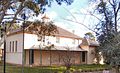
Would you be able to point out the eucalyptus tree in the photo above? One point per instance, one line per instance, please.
(41, 29)
(107, 31)
(18, 10)
(89, 35)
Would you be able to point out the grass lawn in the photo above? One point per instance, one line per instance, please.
(61, 69)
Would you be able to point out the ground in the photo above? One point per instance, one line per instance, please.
(18, 69)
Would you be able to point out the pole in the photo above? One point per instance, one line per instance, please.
(23, 54)
(4, 48)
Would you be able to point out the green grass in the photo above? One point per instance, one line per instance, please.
(17, 69)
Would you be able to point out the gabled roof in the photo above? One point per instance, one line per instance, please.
(89, 42)
(61, 33)
(64, 33)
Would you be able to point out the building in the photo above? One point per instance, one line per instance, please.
(63, 45)
(89, 46)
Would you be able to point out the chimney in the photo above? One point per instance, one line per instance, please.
(73, 31)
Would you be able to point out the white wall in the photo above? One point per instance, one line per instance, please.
(29, 41)
(14, 57)
(32, 39)
(63, 41)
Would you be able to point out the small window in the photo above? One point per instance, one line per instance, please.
(15, 46)
(10, 46)
(57, 40)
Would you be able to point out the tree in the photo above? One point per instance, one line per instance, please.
(17, 10)
(21, 9)
(41, 29)
(14, 11)
(107, 31)
(67, 58)
(89, 35)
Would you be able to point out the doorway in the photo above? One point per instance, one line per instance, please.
(31, 56)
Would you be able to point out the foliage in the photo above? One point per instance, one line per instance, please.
(107, 31)
(14, 26)
(20, 7)
(89, 35)
(41, 29)
(14, 11)
(112, 52)
(52, 69)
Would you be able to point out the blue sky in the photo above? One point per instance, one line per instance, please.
(77, 4)
(58, 13)
(76, 11)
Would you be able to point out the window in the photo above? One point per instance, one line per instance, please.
(83, 57)
(10, 46)
(57, 40)
(15, 46)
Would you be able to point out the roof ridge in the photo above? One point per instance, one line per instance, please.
(61, 33)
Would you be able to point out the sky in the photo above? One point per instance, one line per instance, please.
(76, 12)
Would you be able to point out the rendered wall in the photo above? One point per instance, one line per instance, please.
(12, 56)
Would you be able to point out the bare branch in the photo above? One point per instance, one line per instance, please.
(81, 24)
(118, 8)
(95, 16)
(110, 3)
(9, 14)
(118, 19)
(6, 6)
(16, 18)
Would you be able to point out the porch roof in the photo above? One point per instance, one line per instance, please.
(61, 48)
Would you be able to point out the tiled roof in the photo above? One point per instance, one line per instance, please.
(89, 42)
(64, 33)
(61, 33)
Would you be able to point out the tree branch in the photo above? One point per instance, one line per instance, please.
(18, 10)
(118, 8)
(6, 6)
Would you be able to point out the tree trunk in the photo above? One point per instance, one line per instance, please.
(117, 69)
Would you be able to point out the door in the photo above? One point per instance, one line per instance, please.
(31, 56)
(83, 57)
